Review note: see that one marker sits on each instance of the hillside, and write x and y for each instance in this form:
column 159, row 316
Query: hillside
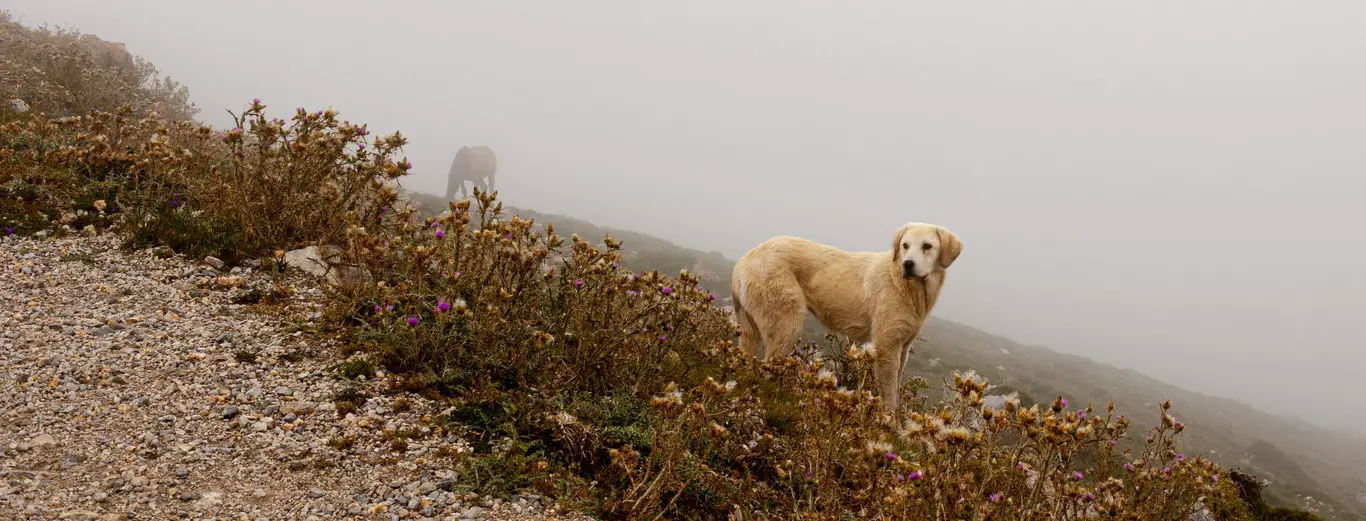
column 1300, row 460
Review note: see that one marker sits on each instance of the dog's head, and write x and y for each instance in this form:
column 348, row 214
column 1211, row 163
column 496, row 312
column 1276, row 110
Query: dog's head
column 920, row 249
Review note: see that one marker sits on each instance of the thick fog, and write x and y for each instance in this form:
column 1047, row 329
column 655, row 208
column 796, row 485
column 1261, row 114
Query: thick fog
column 1172, row 186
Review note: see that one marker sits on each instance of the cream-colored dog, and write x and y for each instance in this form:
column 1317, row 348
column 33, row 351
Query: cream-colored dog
column 878, row 297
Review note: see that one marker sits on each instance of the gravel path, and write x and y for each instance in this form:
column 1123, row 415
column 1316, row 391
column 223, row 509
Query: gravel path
column 133, row 387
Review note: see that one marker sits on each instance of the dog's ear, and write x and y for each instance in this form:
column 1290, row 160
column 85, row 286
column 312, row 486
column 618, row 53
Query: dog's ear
column 949, row 247
column 896, row 242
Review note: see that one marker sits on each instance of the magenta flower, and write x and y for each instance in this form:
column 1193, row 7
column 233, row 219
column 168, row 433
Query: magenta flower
column 1077, row 475
column 663, row 338
column 412, row 320
column 407, row 165
column 891, row 456
column 711, row 296
column 377, row 308
column 389, row 307
column 1166, row 470
column 900, row 479
column 1063, row 401
column 1019, row 467
column 256, row 101
column 443, row 304
column 667, row 290
column 1081, row 415
column 578, row 283
column 631, row 292
column 1129, row 467
column 1180, row 457
column 440, row 234
column 1214, row 479
column 996, row 497
column 915, row 476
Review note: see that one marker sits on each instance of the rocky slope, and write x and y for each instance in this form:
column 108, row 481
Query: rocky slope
column 139, row 387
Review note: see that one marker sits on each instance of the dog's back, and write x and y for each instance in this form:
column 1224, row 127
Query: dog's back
column 778, row 282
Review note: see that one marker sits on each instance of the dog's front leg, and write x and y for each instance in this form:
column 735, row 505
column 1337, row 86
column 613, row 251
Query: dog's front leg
column 887, row 368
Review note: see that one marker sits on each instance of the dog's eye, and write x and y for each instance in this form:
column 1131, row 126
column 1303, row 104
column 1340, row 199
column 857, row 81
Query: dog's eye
column 926, row 246
column 905, row 245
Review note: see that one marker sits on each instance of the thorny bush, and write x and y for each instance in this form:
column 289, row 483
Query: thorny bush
column 66, row 73
column 631, row 384
column 266, row 184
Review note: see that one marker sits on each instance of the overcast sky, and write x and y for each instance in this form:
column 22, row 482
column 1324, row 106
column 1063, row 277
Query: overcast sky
column 1178, row 187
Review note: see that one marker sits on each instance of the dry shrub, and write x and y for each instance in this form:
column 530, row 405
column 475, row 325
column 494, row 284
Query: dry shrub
column 65, row 73
column 267, row 184
column 630, row 381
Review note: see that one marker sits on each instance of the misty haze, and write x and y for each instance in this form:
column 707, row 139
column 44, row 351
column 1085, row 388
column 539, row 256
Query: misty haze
column 1170, row 190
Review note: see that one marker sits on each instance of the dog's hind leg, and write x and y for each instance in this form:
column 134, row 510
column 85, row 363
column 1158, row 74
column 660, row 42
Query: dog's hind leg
column 749, row 331
column 779, row 310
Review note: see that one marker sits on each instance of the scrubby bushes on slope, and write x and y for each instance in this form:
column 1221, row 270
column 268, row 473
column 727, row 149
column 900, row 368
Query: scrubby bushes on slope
column 631, row 382
column 266, row 184
column 65, row 73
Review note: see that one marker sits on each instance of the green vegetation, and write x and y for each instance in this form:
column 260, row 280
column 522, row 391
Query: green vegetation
column 588, row 371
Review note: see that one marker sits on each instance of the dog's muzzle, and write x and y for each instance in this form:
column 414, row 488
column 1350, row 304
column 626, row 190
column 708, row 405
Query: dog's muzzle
column 908, row 269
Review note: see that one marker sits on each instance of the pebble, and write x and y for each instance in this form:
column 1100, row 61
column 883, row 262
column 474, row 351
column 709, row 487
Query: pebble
column 230, row 412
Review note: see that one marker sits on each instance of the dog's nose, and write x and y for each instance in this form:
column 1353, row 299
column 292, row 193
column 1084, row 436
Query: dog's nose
column 908, row 267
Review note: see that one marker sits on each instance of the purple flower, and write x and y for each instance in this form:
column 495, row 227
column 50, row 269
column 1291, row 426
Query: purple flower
column 407, row 165
column 615, row 265
column 1090, row 495
column 667, row 290
column 631, row 292
column 1081, row 415
column 457, row 274
column 412, row 320
column 440, row 234
column 996, row 497
column 377, row 308
column 1214, row 479
column 1180, row 457
column 663, row 338
column 915, row 476
column 1166, row 470
column 443, row 304
column 1063, row 401
column 891, row 456
column 9, row 230
column 711, row 296
column 1077, row 475
column 1019, row 467
column 900, row 479
column 1129, row 467
column 578, row 283
column 389, row 307
column 1112, row 443
column 256, row 101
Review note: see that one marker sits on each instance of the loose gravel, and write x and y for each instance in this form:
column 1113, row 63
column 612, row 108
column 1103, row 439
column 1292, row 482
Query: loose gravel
column 136, row 385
